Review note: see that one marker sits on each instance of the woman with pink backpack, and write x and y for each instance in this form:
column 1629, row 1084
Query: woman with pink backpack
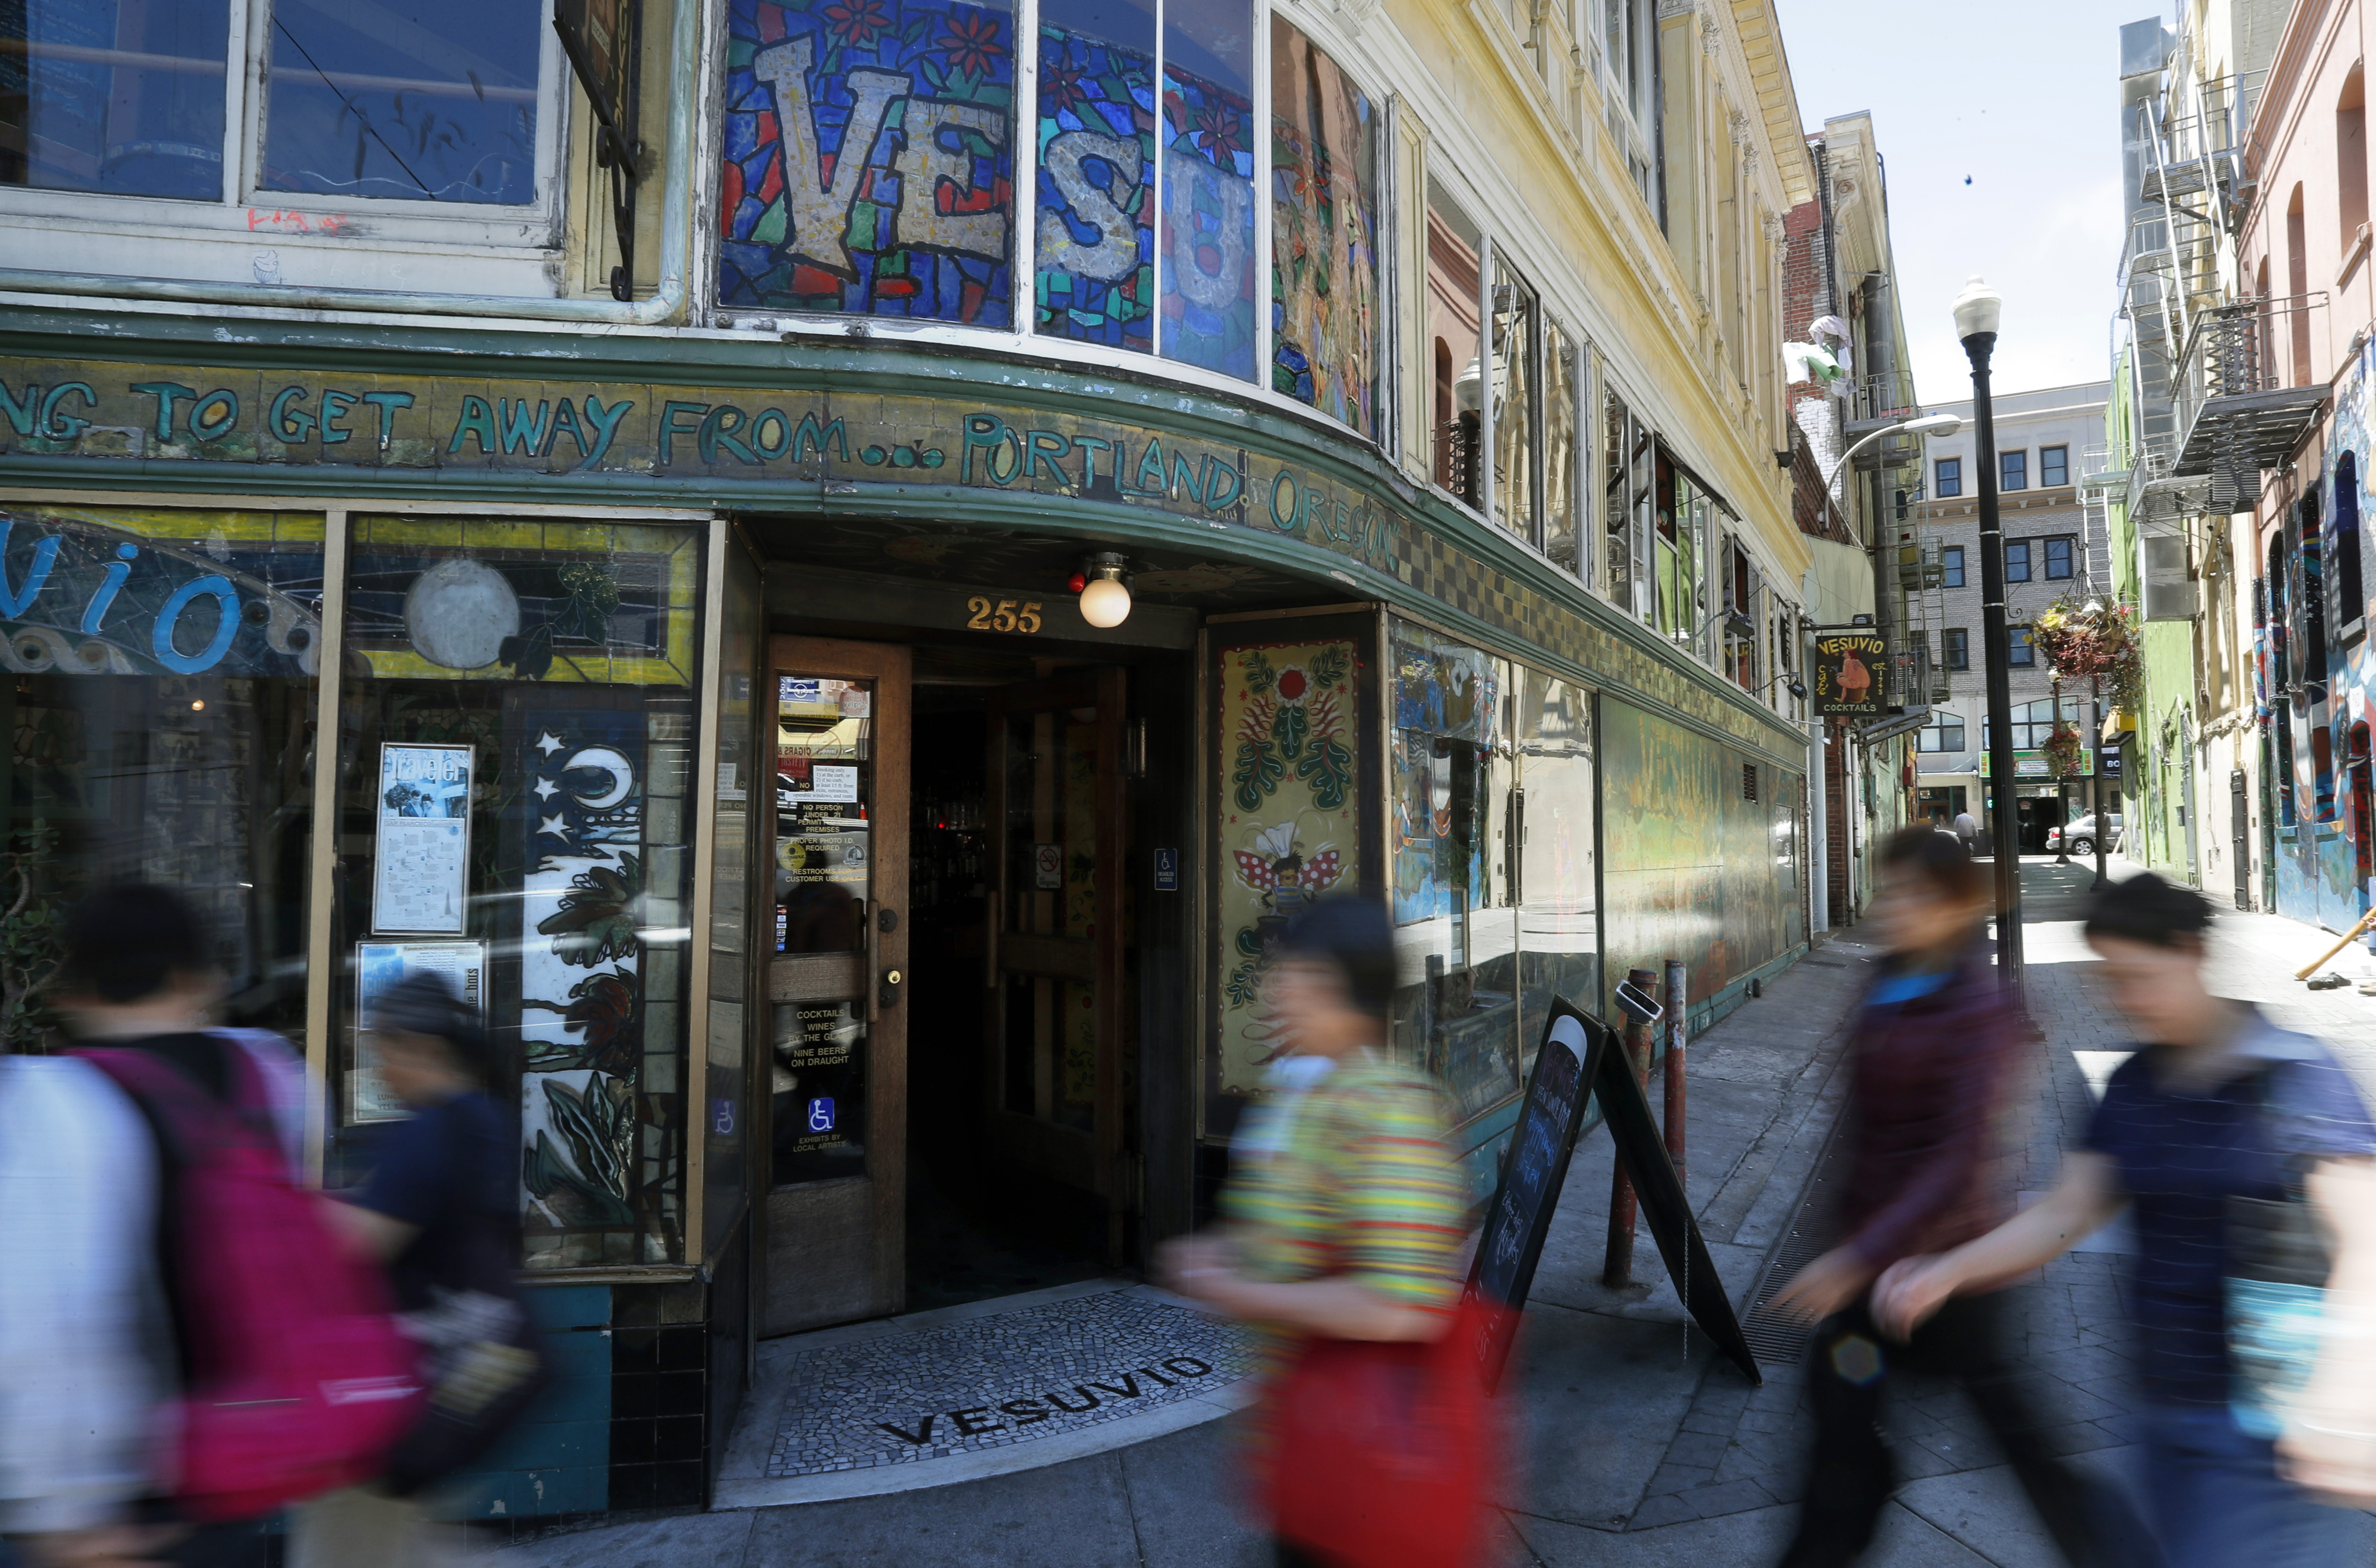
column 187, row 1345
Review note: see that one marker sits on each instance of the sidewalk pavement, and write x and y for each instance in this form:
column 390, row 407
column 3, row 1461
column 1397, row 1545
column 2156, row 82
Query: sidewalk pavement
column 1641, row 1447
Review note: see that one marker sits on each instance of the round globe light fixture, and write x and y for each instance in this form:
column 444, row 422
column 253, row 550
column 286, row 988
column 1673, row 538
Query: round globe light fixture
column 1105, row 598
column 1977, row 309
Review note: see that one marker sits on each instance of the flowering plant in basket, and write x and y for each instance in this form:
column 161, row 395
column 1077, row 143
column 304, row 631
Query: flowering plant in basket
column 2096, row 641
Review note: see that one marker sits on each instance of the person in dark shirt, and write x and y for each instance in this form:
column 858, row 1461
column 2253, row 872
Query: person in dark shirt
column 439, row 1203
column 1932, row 1066
column 2218, row 1106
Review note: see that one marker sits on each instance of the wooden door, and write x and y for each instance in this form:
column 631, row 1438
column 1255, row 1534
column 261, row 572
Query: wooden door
column 1056, row 1004
column 836, row 1043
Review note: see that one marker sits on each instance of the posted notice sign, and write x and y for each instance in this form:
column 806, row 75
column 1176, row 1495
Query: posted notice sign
column 420, row 868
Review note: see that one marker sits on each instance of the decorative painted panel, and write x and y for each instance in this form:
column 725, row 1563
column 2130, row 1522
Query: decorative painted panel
column 1209, row 224
column 1324, row 255
column 1096, row 251
column 1700, row 872
column 869, row 158
column 1290, row 819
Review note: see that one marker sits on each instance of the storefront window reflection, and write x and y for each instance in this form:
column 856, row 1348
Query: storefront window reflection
column 1492, row 841
column 160, row 704
column 533, row 682
column 1455, row 1005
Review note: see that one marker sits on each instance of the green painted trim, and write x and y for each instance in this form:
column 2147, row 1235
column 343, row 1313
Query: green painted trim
column 820, row 367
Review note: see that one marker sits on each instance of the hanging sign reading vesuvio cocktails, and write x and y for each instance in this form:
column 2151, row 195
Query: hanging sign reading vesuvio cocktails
column 1851, row 670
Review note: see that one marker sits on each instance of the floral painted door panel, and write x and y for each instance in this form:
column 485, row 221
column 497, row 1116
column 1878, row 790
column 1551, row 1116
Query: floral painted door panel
column 1290, row 819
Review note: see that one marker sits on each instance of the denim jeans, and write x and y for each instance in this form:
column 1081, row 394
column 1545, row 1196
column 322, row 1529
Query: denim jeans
column 2218, row 1500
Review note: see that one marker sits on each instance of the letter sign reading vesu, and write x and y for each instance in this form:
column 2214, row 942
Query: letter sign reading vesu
column 1003, row 615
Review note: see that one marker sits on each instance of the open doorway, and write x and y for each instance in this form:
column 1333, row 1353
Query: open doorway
column 984, row 1218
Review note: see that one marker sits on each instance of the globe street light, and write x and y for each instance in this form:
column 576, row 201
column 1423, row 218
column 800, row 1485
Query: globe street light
column 1977, row 310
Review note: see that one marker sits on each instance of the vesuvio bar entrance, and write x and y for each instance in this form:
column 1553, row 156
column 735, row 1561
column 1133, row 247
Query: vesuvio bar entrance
column 968, row 1065
column 876, row 934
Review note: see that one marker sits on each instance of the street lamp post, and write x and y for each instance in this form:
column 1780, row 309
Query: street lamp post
column 1977, row 309
column 2096, row 766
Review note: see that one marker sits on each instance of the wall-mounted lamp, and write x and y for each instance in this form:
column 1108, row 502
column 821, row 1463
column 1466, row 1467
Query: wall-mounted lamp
column 1105, row 596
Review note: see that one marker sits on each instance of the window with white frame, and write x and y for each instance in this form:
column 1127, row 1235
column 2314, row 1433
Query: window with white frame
column 1629, row 41
column 1945, row 732
column 307, row 116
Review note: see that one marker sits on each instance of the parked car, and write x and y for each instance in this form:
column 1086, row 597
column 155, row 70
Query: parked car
column 2083, row 835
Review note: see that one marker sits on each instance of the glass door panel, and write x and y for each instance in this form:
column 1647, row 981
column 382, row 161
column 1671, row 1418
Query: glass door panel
column 836, row 1043
column 824, row 786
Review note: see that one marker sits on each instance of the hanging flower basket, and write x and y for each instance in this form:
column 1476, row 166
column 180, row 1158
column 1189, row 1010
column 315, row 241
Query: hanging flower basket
column 2094, row 641
column 2062, row 750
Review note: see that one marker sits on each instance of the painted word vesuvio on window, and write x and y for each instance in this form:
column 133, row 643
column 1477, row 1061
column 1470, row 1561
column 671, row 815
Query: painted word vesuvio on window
column 80, row 599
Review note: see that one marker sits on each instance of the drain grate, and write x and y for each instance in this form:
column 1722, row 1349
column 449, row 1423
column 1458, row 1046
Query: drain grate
column 1777, row 1341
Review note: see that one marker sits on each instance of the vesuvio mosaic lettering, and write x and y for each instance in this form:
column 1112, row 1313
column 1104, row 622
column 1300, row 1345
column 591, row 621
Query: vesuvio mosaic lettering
column 559, row 429
column 869, row 158
column 973, row 1420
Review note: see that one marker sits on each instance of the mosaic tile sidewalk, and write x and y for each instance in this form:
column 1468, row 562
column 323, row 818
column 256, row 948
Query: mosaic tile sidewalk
column 998, row 1380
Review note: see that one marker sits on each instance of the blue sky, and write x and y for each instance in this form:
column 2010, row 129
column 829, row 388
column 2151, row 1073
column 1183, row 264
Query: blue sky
column 1998, row 124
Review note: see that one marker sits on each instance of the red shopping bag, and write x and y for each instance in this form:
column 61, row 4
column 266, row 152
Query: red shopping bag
column 1381, row 1455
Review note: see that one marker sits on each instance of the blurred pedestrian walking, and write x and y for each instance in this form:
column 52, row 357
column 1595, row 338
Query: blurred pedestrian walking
column 2219, row 1127
column 440, row 1209
column 185, row 1345
column 1933, row 1066
column 1346, row 1215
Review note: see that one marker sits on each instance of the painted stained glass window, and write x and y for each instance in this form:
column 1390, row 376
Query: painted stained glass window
column 919, row 223
column 1208, row 188
column 561, row 654
column 1323, row 255
column 1097, row 173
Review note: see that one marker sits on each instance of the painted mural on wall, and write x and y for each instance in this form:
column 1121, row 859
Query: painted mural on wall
column 2318, row 733
column 1095, row 236
column 1289, row 820
column 869, row 158
column 1324, row 232
column 581, row 961
column 1725, row 903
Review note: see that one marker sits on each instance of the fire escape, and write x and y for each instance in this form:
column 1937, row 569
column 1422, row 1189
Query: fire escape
column 2216, row 380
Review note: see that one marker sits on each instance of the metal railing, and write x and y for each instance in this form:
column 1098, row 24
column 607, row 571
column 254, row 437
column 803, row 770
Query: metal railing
column 2242, row 350
column 1877, row 400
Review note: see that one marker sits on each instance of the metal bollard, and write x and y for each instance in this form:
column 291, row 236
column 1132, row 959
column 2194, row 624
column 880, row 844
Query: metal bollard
column 1678, row 1034
column 1617, row 1267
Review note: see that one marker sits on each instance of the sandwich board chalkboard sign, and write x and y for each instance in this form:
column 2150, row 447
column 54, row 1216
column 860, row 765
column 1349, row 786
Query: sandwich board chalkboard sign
column 1579, row 1057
